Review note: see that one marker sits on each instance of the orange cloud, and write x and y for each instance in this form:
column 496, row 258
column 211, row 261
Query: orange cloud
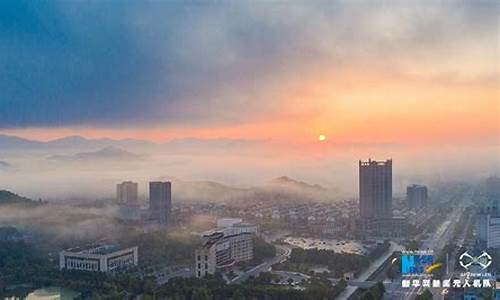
column 349, row 106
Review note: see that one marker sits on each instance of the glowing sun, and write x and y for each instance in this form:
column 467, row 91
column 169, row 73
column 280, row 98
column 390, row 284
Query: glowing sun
column 322, row 138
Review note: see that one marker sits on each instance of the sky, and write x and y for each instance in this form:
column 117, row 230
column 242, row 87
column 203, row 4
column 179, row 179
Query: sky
column 373, row 72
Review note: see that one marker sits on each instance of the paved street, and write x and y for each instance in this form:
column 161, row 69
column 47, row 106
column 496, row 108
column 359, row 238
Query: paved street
column 369, row 271
column 436, row 242
column 282, row 254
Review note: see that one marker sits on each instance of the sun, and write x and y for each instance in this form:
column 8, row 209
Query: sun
column 322, row 138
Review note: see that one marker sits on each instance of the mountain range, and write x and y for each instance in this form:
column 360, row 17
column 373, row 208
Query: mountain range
column 278, row 189
column 14, row 142
column 107, row 153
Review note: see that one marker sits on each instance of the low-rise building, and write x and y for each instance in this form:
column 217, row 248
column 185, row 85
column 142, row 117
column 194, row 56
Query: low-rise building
column 98, row 258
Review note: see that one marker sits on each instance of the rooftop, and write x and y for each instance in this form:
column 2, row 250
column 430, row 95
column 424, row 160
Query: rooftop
column 371, row 162
column 95, row 249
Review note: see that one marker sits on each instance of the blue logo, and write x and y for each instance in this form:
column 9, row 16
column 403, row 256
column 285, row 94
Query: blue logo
column 415, row 264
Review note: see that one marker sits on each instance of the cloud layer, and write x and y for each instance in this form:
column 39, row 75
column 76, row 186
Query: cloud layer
column 129, row 63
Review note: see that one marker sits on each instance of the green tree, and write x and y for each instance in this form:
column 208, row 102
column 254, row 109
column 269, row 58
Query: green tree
column 238, row 295
column 413, row 245
column 201, row 294
column 367, row 296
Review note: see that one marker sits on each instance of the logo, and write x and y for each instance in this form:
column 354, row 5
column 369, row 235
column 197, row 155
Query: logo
column 466, row 260
column 416, row 264
column 446, row 284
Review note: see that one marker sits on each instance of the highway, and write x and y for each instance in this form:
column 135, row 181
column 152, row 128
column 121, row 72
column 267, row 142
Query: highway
column 439, row 239
column 164, row 277
column 436, row 243
column 350, row 289
column 282, row 254
column 452, row 260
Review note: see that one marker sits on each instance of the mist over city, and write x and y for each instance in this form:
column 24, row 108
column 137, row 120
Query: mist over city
column 249, row 150
column 75, row 167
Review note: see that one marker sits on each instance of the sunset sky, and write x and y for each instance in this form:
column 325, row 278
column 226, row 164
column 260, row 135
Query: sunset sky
column 372, row 72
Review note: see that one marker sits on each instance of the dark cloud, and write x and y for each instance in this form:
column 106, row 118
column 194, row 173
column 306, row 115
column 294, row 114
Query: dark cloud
column 118, row 63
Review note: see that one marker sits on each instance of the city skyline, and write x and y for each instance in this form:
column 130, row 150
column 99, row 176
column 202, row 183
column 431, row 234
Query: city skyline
column 250, row 149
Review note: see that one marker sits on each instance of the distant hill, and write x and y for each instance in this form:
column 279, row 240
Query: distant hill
column 8, row 142
column 4, row 165
column 205, row 190
column 288, row 182
column 108, row 153
column 13, row 142
column 7, row 197
column 279, row 189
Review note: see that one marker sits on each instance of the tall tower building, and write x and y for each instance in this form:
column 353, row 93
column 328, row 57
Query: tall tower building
column 126, row 193
column 160, row 201
column 375, row 189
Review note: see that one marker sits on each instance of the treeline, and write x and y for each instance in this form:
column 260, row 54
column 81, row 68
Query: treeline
column 337, row 263
column 166, row 247
column 21, row 263
column 214, row 288
column 262, row 249
column 376, row 292
column 162, row 247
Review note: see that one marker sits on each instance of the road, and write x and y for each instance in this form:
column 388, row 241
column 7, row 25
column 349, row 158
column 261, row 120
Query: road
column 439, row 239
column 436, row 243
column 453, row 259
column 164, row 277
column 349, row 290
column 282, row 254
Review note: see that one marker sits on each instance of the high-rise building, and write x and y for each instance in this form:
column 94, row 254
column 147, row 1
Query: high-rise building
column 416, row 195
column 160, row 201
column 126, row 193
column 375, row 189
column 220, row 250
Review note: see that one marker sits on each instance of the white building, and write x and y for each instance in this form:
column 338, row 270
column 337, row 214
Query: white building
column 98, row 258
column 221, row 250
